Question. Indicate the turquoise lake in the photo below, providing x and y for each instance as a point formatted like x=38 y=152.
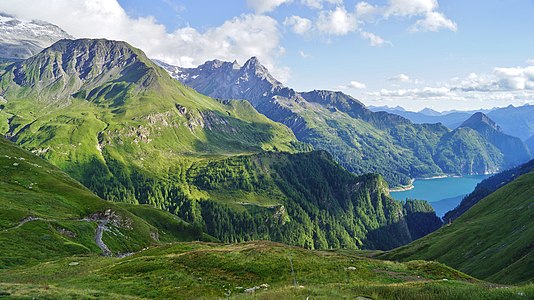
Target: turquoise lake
x=443 y=194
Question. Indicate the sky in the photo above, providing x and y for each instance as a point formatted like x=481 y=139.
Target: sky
x=445 y=55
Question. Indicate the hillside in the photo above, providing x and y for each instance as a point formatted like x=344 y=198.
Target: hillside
x=486 y=147
x=44 y=214
x=361 y=140
x=492 y=240
x=96 y=108
x=306 y=200
x=514 y=151
x=257 y=270
x=516 y=121
x=488 y=186
x=104 y=113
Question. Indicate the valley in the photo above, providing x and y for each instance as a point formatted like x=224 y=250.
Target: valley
x=137 y=162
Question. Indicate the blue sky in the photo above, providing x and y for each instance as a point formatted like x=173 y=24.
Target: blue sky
x=452 y=54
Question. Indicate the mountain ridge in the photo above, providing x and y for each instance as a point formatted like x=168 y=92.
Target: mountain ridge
x=361 y=140
x=112 y=119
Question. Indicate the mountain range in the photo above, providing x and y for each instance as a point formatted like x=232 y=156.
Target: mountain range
x=487 y=147
x=108 y=116
x=360 y=140
x=429 y=116
x=516 y=121
x=195 y=183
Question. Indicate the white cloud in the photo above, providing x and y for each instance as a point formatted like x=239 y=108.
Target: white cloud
x=298 y=24
x=336 y=22
x=426 y=10
x=357 y=85
x=318 y=4
x=434 y=21
x=238 y=38
x=401 y=78
x=501 y=79
x=530 y=61
x=407 y=8
x=504 y=85
x=304 y=55
x=374 y=40
x=262 y=6
x=366 y=11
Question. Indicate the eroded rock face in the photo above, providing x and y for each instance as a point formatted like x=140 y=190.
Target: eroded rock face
x=111 y=218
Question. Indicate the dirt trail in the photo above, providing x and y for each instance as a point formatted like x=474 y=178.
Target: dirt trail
x=98 y=236
x=24 y=221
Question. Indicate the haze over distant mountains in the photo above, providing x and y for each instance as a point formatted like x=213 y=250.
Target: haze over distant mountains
x=514 y=120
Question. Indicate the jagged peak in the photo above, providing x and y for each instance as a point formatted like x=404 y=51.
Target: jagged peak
x=480 y=118
x=217 y=64
x=253 y=61
x=236 y=65
x=253 y=65
x=328 y=95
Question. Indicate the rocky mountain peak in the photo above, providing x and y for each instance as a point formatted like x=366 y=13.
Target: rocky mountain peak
x=254 y=68
x=480 y=119
x=72 y=65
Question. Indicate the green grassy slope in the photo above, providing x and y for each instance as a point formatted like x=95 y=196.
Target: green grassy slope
x=45 y=214
x=492 y=240
x=92 y=107
x=488 y=186
x=214 y=271
x=104 y=113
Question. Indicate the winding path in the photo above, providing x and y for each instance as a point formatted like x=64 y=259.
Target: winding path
x=98 y=236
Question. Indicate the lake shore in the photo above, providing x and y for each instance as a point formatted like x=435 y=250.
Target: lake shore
x=443 y=193
x=404 y=187
x=410 y=186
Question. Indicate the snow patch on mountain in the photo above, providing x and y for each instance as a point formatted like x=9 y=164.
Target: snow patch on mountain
x=21 y=39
